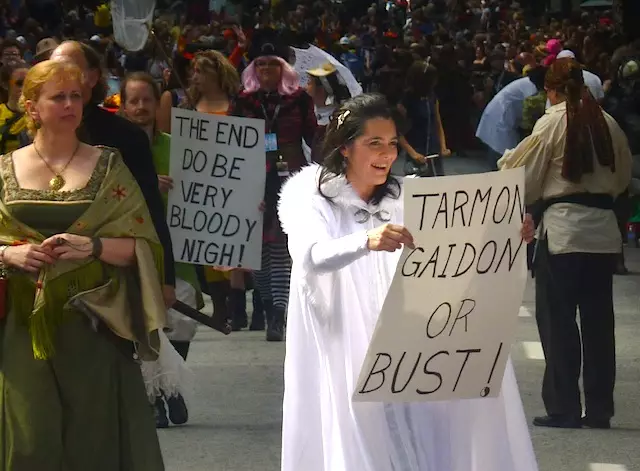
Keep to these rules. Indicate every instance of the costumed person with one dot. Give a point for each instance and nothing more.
(577, 161)
(425, 136)
(344, 226)
(271, 92)
(82, 272)
(214, 83)
(328, 90)
(100, 127)
(167, 378)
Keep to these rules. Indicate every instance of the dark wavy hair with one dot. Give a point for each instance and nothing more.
(347, 124)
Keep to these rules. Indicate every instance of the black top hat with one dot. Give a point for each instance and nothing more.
(268, 42)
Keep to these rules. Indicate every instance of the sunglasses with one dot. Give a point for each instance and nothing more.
(267, 64)
(18, 83)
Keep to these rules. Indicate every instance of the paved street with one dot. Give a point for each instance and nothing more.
(236, 409)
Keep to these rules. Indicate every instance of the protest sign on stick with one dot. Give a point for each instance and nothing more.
(449, 319)
(218, 168)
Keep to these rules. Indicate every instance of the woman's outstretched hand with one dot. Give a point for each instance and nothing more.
(389, 238)
(528, 230)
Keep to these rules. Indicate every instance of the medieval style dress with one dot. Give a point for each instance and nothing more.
(72, 396)
(337, 290)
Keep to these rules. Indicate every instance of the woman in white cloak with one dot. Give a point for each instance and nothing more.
(344, 224)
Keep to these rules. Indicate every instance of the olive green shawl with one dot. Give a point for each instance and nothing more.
(128, 300)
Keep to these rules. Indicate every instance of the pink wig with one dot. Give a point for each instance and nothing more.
(289, 81)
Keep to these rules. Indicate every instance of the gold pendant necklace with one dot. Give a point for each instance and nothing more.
(58, 181)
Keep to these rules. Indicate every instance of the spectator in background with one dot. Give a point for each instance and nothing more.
(425, 136)
(534, 106)
(44, 48)
(10, 51)
(176, 79)
(350, 57)
(12, 120)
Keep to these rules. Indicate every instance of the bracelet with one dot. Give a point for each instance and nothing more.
(97, 247)
(3, 248)
(4, 268)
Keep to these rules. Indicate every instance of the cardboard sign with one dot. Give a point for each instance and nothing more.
(218, 168)
(449, 319)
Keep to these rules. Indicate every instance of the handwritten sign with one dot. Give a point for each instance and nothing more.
(218, 168)
(449, 319)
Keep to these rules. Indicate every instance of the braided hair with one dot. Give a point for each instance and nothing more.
(587, 129)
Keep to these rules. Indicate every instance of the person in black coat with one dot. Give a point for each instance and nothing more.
(100, 127)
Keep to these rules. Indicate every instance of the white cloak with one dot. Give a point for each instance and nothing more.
(330, 321)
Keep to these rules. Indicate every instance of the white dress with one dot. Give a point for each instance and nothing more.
(337, 291)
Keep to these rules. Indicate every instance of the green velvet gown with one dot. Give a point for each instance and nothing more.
(84, 409)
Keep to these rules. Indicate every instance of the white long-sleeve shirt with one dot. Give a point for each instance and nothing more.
(571, 227)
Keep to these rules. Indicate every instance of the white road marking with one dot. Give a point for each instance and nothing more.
(525, 312)
(533, 350)
(607, 467)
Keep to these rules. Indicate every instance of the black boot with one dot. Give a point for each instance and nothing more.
(257, 317)
(178, 412)
(160, 413)
(238, 309)
(219, 294)
(275, 329)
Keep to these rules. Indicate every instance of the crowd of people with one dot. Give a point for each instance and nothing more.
(86, 136)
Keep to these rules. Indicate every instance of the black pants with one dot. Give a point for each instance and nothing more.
(565, 282)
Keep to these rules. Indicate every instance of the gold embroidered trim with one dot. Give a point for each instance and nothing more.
(12, 192)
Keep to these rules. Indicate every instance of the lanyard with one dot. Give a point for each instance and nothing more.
(270, 121)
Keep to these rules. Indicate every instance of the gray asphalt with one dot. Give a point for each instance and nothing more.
(237, 404)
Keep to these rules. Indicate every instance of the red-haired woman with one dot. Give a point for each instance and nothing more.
(271, 91)
(577, 162)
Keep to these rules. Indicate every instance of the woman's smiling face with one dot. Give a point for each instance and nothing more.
(370, 156)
